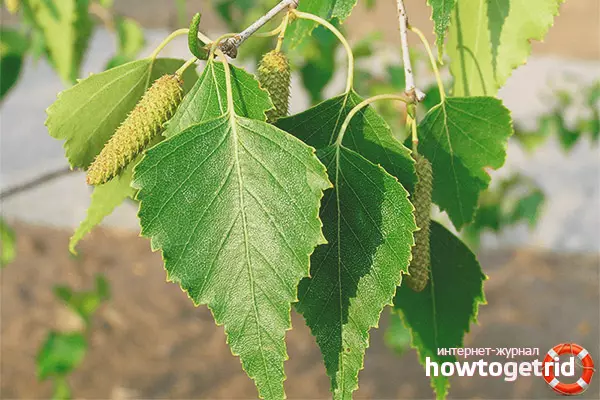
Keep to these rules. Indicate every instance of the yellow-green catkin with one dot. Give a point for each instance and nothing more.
(146, 121)
(274, 76)
(421, 258)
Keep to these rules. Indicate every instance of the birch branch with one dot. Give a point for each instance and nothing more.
(231, 45)
(411, 90)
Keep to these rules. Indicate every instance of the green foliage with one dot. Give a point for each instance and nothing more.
(130, 41)
(461, 137)
(104, 200)
(7, 244)
(250, 218)
(439, 316)
(441, 11)
(66, 28)
(585, 106)
(60, 354)
(319, 62)
(209, 95)
(397, 336)
(368, 134)
(368, 224)
(487, 40)
(13, 46)
(257, 191)
(328, 9)
(85, 303)
(512, 201)
(87, 115)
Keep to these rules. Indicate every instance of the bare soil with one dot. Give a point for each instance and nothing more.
(150, 342)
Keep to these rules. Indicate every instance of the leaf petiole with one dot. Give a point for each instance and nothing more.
(185, 66)
(164, 43)
(362, 105)
(436, 71)
(284, 25)
(338, 34)
(173, 35)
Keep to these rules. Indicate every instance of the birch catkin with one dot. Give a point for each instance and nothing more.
(146, 120)
(274, 76)
(421, 259)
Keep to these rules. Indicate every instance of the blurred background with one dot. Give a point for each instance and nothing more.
(537, 233)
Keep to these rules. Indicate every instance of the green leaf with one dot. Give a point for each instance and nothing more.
(488, 39)
(327, 9)
(84, 303)
(7, 244)
(367, 134)
(13, 46)
(319, 67)
(441, 10)
(87, 115)
(104, 200)
(131, 37)
(397, 336)
(66, 27)
(60, 354)
(439, 316)
(233, 205)
(462, 137)
(208, 98)
(369, 225)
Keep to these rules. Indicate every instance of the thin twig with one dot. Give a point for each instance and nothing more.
(410, 90)
(40, 180)
(230, 46)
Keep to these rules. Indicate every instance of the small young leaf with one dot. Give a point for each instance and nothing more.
(208, 98)
(439, 316)
(104, 200)
(60, 354)
(233, 205)
(488, 39)
(461, 137)
(7, 244)
(88, 114)
(369, 225)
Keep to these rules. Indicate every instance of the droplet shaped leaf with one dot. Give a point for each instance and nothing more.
(462, 137)
(439, 316)
(369, 225)
(233, 204)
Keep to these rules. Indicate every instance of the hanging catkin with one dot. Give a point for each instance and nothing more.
(146, 120)
(421, 199)
(275, 77)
